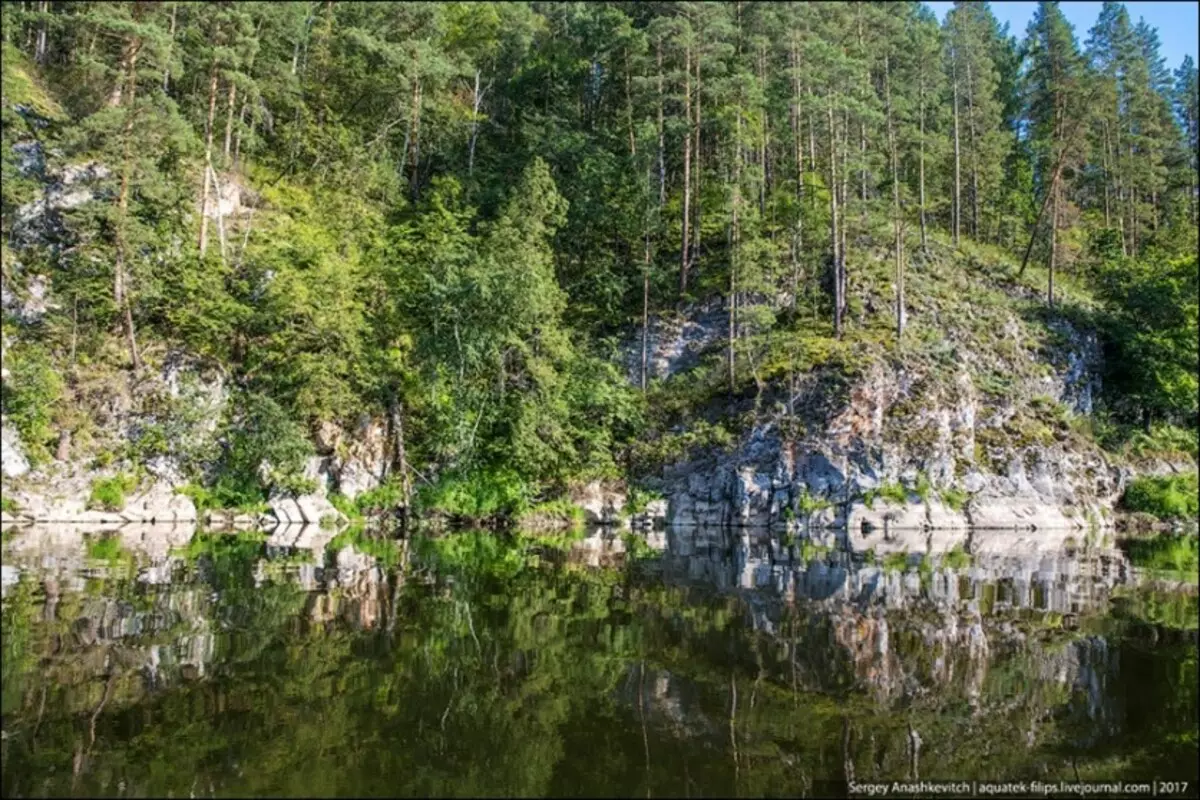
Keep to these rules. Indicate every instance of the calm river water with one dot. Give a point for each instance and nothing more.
(158, 662)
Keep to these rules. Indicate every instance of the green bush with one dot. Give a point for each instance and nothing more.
(476, 495)
(260, 431)
(1167, 497)
(638, 499)
(29, 397)
(955, 498)
(923, 488)
(892, 492)
(109, 493)
(559, 507)
(807, 504)
(387, 496)
(8, 505)
(345, 505)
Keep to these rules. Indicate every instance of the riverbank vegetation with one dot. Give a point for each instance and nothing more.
(456, 217)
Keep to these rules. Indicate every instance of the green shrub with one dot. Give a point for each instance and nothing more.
(892, 492)
(9, 506)
(895, 562)
(260, 431)
(345, 505)
(29, 398)
(955, 498)
(1166, 497)
(559, 507)
(923, 487)
(477, 495)
(387, 496)
(109, 493)
(638, 499)
(807, 504)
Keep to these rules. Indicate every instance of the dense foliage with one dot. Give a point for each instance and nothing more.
(459, 209)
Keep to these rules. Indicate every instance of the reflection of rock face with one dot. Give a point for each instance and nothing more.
(906, 629)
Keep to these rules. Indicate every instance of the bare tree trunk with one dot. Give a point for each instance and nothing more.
(476, 104)
(899, 244)
(628, 105)
(414, 181)
(697, 173)
(735, 235)
(208, 139)
(167, 65)
(120, 287)
(646, 310)
(220, 215)
(833, 227)
(685, 238)
(662, 144)
(843, 250)
(237, 139)
(128, 56)
(921, 172)
(862, 125)
(764, 142)
(957, 210)
(1053, 247)
(401, 452)
(39, 54)
(229, 122)
(1107, 177)
(1133, 217)
(974, 156)
(798, 161)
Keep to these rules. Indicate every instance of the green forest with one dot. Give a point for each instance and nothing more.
(458, 217)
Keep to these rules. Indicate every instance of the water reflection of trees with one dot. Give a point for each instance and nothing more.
(463, 668)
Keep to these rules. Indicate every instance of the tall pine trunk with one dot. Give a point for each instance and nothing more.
(120, 282)
(208, 140)
(921, 172)
(170, 46)
(833, 227)
(229, 122)
(887, 88)
(628, 104)
(956, 212)
(39, 54)
(662, 142)
(685, 237)
(697, 173)
(1053, 247)
(798, 161)
(645, 308)
(974, 155)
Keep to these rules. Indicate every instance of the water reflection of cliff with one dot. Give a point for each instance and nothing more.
(989, 624)
(148, 616)
(718, 639)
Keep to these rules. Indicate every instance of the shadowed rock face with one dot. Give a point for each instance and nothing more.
(1007, 461)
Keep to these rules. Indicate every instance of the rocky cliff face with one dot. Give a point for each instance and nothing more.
(960, 434)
